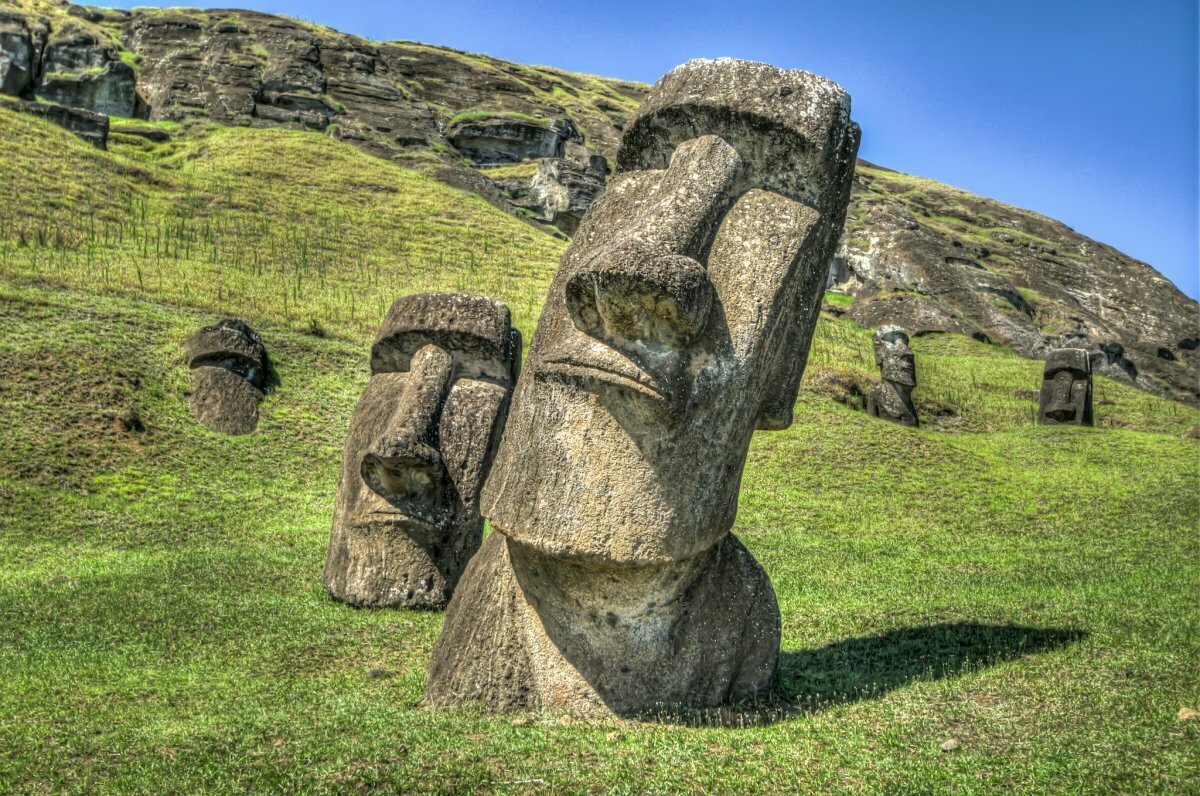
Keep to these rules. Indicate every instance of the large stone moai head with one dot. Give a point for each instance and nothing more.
(229, 372)
(892, 400)
(678, 322)
(1066, 396)
(407, 518)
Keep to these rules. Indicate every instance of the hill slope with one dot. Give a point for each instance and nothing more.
(535, 141)
(1026, 591)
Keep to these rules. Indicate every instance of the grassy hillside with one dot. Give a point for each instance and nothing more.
(279, 225)
(1028, 592)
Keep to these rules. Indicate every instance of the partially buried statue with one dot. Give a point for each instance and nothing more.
(892, 400)
(407, 516)
(1066, 396)
(229, 374)
(678, 322)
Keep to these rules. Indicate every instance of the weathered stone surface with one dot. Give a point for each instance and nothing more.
(406, 519)
(678, 322)
(892, 400)
(932, 258)
(1066, 396)
(80, 71)
(91, 127)
(507, 140)
(564, 188)
(229, 373)
(21, 41)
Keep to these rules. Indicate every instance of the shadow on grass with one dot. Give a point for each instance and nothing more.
(868, 667)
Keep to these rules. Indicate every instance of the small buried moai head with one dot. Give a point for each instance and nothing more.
(229, 373)
(419, 445)
(680, 318)
(1066, 396)
(894, 357)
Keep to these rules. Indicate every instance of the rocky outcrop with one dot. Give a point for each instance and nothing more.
(428, 106)
(79, 69)
(565, 187)
(91, 127)
(503, 139)
(21, 41)
(916, 253)
(929, 257)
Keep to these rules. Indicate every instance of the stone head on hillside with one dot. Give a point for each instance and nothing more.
(892, 400)
(678, 322)
(419, 445)
(1066, 396)
(229, 374)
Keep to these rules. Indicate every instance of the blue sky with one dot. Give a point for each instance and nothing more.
(1084, 111)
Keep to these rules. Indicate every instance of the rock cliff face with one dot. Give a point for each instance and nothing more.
(434, 108)
(538, 141)
(929, 257)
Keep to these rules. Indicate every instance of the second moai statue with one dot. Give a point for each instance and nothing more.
(678, 322)
(420, 442)
(892, 400)
(1066, 396)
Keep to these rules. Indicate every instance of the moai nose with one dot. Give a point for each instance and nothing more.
(662, 301)
(650, 287)
(404, 466)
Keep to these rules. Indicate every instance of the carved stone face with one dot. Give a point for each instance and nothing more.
(1066, 395)
(894, 357)
(677, 323)
(228, 376)
(418, 448)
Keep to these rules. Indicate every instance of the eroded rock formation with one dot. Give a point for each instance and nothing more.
(932, 258)
(916, 253)
(1066, 396)
(419, 445)
(229, 374)
(678, 322)
(892, 399)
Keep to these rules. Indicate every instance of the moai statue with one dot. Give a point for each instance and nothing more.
(1066, 396)
(229, 375)
(420, 442)
(678, 322)
(892, 400)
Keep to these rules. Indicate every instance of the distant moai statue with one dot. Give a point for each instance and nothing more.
(406, 519)
(229, 376)
(1066, 397)
(892, 400)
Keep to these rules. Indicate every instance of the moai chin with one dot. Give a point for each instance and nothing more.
(228, 376)
(407, 519)
(892, 400)
(1066, 396)
(678, 322)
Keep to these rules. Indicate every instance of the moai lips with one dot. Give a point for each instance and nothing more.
(678, 322)
(1066, 396)
(407, 514)
(228, 376)
(892, 400)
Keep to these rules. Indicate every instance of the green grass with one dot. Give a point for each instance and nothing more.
(1027, 591)
(280, 225)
